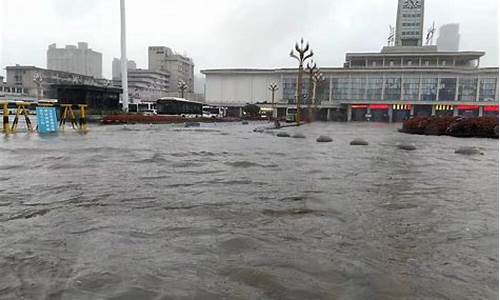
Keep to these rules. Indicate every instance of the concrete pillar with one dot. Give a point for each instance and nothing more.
(241, 112)
(412, 111)
(331, 90)
(349, 113)
(433, 110)
(455, 111)
(328, 114)
(481, 111)
(390, 112)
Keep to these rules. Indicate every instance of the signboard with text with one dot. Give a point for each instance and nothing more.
(46, 119)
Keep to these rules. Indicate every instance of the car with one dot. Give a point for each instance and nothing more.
(150, 112)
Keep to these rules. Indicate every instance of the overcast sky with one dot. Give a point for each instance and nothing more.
(228, 33)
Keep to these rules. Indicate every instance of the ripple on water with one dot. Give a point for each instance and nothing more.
(249, 164)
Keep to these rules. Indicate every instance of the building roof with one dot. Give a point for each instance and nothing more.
(88, 88)
(416, 51)
(166, 99)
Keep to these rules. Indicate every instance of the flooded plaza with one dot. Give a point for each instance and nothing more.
(222, 212)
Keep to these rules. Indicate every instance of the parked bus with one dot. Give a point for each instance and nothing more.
(179, 106)
(143, 107)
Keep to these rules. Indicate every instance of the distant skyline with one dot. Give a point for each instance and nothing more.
(228, 33)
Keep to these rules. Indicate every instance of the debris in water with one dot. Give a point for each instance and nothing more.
(324, 139)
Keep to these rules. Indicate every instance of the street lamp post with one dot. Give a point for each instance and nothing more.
(37, 79)
(182, 86)
(317, 78)
(301, 54)
(273, 87)
(312, 69)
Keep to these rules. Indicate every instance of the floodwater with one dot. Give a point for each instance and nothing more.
(221, 212)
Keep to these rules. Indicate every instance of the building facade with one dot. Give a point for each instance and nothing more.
(75, 59)
(13, 92)
(117, 68)
(38, 82)
(146, 85)
(449, 37)
(391, 85)
(181, 68)
(399, 82)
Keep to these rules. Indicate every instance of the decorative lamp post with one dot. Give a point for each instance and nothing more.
(182, 86)
(312, 69)
(301, 54)
(317, 78)
(273, 87)
(37, 79)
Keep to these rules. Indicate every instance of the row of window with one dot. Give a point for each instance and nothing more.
(410, 32)
(411, 24)
(411, 15)
(396, 88)
(14, 90)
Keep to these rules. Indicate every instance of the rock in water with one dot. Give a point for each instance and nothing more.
(468, 151)
(244, 123)
(359, 142)
(192, 124)
(299, 136)
(283, 135)
(407, 147)
(324, 139)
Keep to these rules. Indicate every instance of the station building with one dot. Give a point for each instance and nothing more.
(402, 80)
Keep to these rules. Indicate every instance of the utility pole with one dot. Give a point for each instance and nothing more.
(124, 57)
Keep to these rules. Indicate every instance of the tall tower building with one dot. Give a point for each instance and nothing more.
(180, 67)
(80, 60)
(410, 23)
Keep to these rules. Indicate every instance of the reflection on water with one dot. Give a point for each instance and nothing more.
(223, 212)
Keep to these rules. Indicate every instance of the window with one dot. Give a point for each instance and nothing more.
(374, 88)
(447, 89)
(358, 85)
(340, 89)
(411, 87)
(467, 89)
(429, 89)
(392, 88)
(487, 89)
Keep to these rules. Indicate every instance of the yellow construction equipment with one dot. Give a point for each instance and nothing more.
(21, 110)
(6, 126)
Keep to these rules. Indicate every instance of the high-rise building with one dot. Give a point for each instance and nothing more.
(410, 23)
(117, 68)
(75, 59)
(180, 67)
(449, 37)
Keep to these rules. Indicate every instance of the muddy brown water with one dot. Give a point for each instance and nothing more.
(221, 212)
